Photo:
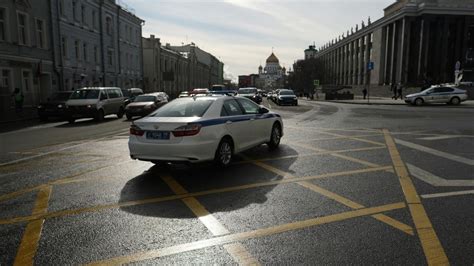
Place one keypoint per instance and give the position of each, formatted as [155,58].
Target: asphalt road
[350,184]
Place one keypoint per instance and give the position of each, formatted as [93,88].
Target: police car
[197,129]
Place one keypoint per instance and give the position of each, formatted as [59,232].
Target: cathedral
[273,75]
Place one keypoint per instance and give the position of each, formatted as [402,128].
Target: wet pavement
[349,185]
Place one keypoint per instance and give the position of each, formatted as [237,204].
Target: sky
[242,33]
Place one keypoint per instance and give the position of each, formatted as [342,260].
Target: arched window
[108,25]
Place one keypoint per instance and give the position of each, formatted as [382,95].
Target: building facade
[26,59]
[96,43]
[173,69]
[416,42]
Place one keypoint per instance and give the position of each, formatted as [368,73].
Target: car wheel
[129,117]
[100,116]
[419,102]
[455,101]
[224,152]
[120,113]
[275,136]
[71,120]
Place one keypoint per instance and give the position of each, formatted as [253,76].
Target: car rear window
[247,91]
[145,98]
[184,107]
[287,93]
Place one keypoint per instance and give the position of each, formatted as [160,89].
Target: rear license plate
[157,135]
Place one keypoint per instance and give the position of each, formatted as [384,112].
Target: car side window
[249,106]
[447,89]
[231,107]
[103,95]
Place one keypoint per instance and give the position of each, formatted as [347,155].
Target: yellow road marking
[351,204]
[353,138]
[334,129]
[240,254]
[194,194]
[146,255]
[432,247]
[237,251]
[354,205]
[63,180]
[29,243]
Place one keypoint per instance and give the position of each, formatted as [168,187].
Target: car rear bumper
[185,151]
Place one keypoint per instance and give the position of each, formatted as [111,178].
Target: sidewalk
[389,101]
[10,116]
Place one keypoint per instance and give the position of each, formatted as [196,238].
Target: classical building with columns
[416,42]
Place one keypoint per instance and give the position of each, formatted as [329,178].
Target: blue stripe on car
[240,118]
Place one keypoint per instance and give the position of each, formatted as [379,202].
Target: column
[367,58]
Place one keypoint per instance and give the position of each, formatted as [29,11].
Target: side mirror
[263,110]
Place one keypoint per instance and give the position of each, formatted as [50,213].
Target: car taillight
[135,130]
[188,130]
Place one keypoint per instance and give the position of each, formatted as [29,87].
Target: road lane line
[437,181]
[272,169]
[438,137]
[30,240]
[237,251]
[342,137]
[240,254]
[354,205]
[194,194]
[442,154]
[447,194]
[432,247]
[353,138]
[336,129]
[152,254]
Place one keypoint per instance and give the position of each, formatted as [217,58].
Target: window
[74,9]
[94,19]
[185,107]
[76,49]
[40,34]
[249,106]
[64,46]
[3,24]
[84,51]
[96,54]
[22,29]
[26,80]
[108,25]
[231,107]
[110,58]
[83,14]
[5,79]
[61,7]
[113,93]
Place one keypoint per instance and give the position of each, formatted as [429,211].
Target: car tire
[224,152]
[120,113]
[100,116]
[275,137]
[129,117]
[419,102]
[455,101]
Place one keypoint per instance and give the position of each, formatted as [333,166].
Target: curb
[375,103]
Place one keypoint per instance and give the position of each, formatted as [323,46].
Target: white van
[95,102]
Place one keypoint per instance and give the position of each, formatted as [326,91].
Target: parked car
[250,93]
[95,102]
[130,94]
[183,94]
[199,91]
[286,97]
[197,129]
[55,106]
[145,104]
[438,94]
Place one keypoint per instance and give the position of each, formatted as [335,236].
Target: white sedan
[197,129]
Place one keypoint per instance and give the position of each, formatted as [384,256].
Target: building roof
[272,59]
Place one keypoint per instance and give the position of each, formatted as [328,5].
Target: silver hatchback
[438,94]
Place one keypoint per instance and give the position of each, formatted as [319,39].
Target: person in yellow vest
[18,97]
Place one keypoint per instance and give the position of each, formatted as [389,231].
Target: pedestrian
[364,91]
[393,88]
[399,91]
[18,97]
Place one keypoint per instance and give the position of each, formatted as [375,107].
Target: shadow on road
[206,177]
[84,122]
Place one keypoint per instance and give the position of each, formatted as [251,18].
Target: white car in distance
[197,129]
